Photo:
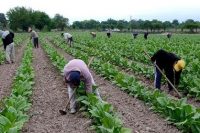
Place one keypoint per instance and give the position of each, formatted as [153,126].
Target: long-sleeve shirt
[166,61]
[85,75]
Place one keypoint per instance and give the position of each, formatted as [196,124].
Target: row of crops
[14,108]
[102,113]
[180,113]
[121,52]
[124,51]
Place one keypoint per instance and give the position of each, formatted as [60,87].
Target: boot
[72,111]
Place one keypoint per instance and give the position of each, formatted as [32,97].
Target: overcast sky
[117,9]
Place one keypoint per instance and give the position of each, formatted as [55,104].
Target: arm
[89,82]
[88,86]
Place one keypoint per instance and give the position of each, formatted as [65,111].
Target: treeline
[150,26]
[20,18]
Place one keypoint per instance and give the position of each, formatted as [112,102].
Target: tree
[133,24]
[19,18]
[3,21]
[191,24]
[156,24]
[166,25]
[147,25]
[122,24]
[111,23]
[175,24]
[91,24]
[60,22]
[77,25]
[41,20]
[104,25]
[141,23]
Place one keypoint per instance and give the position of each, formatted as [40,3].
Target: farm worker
[171,64]
[135,35]
[108,33]
[93,34]
[169,35]
[146,35]
[8,43]
[68,38]
[34,37]
[75,72]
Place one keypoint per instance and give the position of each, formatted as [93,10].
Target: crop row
[14,108]
[104,118]
[123,49]
[183,115]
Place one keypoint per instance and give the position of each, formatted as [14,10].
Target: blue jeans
[158,76]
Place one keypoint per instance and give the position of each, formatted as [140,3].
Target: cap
[74,78]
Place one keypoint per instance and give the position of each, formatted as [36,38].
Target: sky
[101,10]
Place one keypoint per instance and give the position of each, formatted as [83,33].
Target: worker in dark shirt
[8,43]
[172,66]
[146,35]
[169,35]
[108,33]
[135,35]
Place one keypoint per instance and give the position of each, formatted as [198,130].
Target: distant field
[123,73]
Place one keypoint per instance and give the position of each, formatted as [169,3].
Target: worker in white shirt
[68,38]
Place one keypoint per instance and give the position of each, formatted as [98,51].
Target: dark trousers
[158,77]
[70,40]
[35,42]
[108,34]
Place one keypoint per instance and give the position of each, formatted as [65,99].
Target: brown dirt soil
[49,96]
[133,112]
[7,72]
